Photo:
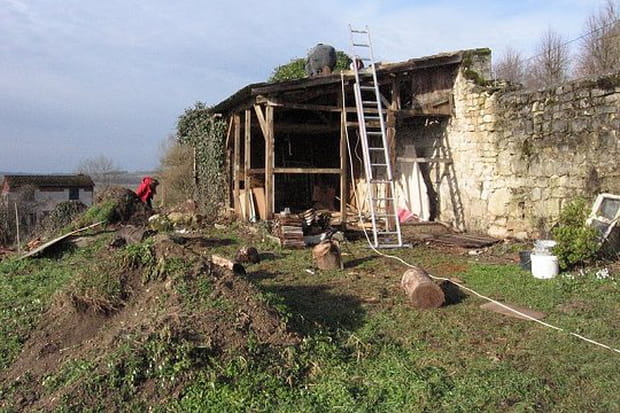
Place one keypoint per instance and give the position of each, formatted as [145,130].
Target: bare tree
[600,48]
[100,168]
[551,63]
[177,172]
[511,66]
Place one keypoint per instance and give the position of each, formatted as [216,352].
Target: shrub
[577,243]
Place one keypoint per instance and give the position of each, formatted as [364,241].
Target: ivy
[205,132]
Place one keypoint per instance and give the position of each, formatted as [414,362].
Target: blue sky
[83,78]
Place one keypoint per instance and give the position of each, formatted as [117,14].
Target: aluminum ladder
[376,155]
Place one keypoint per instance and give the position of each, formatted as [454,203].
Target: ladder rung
[387,232]
[373,117]
[358,31]
[376,149]
[369,102]
[373,133]
[363,87]
[378,164]
[361,45]
[380,181]
[383,199]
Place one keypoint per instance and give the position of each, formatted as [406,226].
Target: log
[422,291]
[229,264]
[327,256]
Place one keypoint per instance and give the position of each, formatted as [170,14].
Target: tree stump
[422,291]
[327,256]
[248,254]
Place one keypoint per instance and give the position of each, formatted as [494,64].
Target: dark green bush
[577,243]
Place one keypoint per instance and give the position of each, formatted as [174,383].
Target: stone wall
[518,156]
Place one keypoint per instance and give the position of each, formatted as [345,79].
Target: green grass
[26,290]
[363,348]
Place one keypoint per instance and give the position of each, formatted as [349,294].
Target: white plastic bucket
[544,266]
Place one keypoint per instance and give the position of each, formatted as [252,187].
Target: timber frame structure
[287,139]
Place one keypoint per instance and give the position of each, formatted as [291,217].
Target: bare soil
[78,332]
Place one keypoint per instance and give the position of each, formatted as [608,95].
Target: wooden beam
[228,132]
[391,120]
[343,167]
[261,120]
[306,170]
[420,112]
[260,171]
[236,160]
[405,159]
[247,160]
[269,163]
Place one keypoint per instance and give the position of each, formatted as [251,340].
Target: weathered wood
[236,161]
[269,163]
[247,156]
[306,171]
[261,120]
[57,240]
[343,165]
[229,264]
[327,256]
[422,291]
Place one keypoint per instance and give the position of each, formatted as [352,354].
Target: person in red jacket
[147,190]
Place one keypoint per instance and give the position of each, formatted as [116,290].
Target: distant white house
[44,192]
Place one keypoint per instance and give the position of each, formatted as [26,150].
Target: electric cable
[526,316]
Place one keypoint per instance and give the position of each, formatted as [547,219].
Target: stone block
[498,201]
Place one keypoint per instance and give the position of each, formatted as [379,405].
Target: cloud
[90,77]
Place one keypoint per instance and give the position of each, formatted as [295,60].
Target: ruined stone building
[477,154]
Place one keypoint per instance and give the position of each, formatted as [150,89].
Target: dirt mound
[163,304]
[127,206]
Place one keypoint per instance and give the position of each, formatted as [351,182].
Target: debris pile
[289,229]
[127,207]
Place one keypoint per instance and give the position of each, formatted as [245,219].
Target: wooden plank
[505,311]
[259,197]
[57,240]
[464,241]
[261,120]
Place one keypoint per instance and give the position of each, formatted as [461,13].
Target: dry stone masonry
[519,155]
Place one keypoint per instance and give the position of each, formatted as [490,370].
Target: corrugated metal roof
[57,181]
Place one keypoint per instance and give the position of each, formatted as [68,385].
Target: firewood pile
[289,230]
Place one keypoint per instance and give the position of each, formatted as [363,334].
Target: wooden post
[247,160]
[391,120]
[269,163]
[343,166]
[236,160]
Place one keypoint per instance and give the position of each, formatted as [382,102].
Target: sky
[86,78]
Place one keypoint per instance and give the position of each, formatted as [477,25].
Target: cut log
[327,256]
[422,291]
[226,263]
